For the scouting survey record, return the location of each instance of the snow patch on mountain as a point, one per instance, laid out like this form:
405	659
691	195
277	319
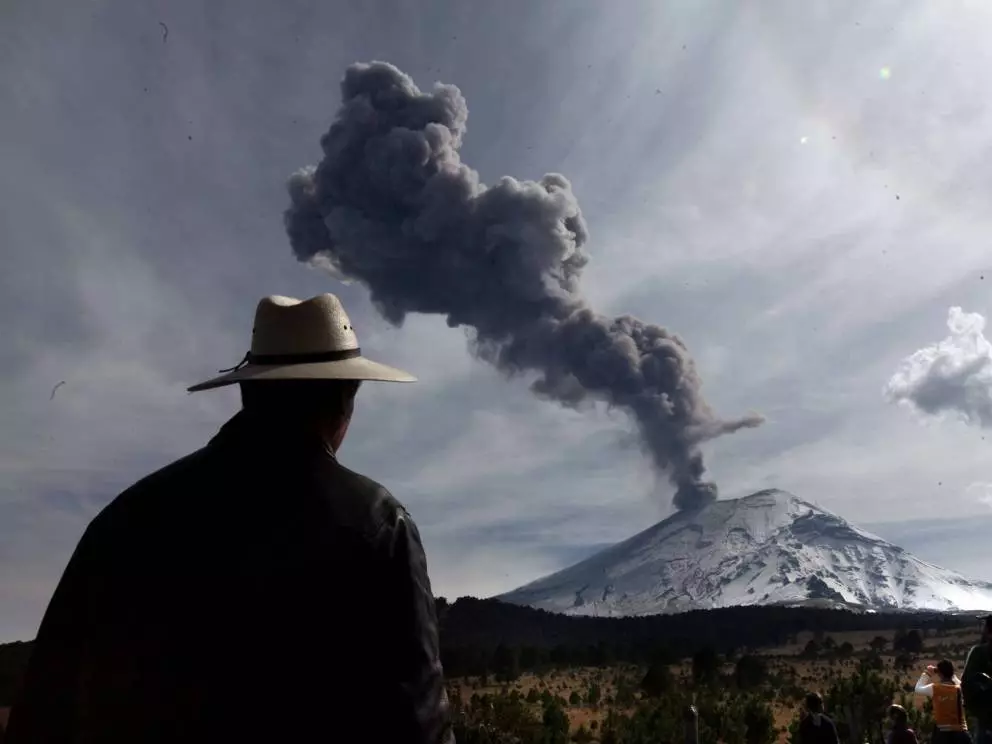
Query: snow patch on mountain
767	548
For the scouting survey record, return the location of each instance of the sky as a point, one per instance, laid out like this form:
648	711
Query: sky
799	190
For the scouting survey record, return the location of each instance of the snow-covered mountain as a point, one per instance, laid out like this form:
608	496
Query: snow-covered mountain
767	548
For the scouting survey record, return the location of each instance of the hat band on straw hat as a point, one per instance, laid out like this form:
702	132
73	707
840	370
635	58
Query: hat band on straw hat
285	359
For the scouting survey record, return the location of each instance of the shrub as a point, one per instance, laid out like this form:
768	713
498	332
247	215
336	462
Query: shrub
750	672
594	694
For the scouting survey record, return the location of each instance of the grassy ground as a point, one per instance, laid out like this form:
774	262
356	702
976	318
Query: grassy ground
808	674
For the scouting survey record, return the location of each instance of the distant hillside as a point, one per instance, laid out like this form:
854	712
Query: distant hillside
473	629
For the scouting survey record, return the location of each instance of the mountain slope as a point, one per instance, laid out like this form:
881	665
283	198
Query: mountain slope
767	548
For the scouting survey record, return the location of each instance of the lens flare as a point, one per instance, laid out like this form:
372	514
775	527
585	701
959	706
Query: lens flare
885	73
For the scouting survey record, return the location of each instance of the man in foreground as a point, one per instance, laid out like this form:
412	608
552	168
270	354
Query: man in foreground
255	590
976	684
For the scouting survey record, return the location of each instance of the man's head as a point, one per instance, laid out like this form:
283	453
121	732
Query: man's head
324	407
814	702
898	715
945	669
987	629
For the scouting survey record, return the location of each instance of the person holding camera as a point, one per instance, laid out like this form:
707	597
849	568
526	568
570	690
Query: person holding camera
940	684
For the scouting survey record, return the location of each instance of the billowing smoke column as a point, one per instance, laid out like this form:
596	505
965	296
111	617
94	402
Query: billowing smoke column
392	206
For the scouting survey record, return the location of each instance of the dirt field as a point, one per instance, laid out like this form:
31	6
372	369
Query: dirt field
809	674
562	683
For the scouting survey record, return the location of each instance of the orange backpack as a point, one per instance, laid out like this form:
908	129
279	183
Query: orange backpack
948	709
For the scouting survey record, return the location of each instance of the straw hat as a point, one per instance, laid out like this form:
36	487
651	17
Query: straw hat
303	340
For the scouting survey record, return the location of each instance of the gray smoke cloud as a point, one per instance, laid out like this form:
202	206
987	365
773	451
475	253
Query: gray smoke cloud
392	206
952	377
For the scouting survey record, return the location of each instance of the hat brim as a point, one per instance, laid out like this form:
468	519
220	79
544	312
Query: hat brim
358	368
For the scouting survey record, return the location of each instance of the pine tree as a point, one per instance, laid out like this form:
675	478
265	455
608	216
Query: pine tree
555	724
594	694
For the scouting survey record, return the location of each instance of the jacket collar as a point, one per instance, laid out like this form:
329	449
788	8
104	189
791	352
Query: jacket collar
246	430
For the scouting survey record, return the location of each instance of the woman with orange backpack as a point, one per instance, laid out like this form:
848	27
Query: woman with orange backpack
950	726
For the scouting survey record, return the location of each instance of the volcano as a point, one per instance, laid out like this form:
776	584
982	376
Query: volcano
767	548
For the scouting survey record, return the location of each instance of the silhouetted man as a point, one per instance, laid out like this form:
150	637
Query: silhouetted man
255	590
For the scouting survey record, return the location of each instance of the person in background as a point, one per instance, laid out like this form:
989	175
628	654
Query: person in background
950	726
900	733
976	684
817	727
253	591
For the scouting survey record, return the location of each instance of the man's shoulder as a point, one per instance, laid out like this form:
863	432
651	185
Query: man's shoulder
826	722
153	490
359	502
141	504
350	500
977	660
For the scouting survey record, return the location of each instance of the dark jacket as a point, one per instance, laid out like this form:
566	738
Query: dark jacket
902	734
253	591
976	690
822	732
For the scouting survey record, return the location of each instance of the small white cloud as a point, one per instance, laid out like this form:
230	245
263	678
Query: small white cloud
980	492
953	376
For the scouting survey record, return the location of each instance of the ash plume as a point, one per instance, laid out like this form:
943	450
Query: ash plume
392	206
